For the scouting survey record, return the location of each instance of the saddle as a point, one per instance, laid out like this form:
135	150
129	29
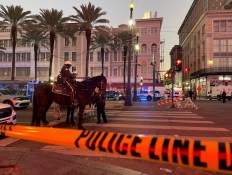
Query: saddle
60	89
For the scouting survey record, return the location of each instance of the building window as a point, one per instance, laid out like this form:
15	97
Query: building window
22	71
66	41
115	72
229	45
74	56
17	56
229	26
143	31
153	31
5	43
74	41
223	26
28	57
66	56
216	45
223	45
144	48
10	56
91	56
5	71
115	56
23	56
154	49
106	56
216	26
74	69
99	56
42	71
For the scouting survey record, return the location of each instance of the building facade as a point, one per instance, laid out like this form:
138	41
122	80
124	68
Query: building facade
74	49
206	40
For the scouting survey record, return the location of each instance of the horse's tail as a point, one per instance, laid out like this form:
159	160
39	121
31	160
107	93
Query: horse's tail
34	104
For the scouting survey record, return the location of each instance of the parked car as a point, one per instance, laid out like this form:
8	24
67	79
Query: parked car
7	114
113	95
148	96
16	101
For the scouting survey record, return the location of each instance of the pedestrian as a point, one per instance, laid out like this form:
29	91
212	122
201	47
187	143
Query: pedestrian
100	103
190	94
70	115
194	95
224	96
57	111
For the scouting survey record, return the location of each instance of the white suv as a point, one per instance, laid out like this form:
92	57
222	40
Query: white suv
16	101
148	95
7	114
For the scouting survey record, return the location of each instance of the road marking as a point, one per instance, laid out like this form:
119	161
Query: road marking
186	128
160	120
154	115
162	112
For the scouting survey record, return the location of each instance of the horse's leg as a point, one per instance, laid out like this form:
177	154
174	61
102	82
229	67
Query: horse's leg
72	116
68	114
81	111
43	117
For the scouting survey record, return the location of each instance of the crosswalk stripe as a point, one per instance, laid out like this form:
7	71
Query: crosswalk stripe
160	116
162	112
164	121
156	116
186	128
149	113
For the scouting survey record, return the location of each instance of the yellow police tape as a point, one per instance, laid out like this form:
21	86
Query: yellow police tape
210	155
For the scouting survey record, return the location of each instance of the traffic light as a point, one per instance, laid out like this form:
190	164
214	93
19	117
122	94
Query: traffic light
186	69
178	65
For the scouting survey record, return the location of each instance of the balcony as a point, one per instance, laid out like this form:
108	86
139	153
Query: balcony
212	71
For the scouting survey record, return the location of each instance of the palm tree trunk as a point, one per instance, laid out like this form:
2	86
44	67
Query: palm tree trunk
36	52
124	68
88	38
102	57
14	38
52	40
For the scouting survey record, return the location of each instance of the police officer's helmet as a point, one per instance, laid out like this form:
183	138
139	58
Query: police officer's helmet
68	63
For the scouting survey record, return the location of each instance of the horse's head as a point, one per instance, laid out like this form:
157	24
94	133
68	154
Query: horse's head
101	84
98	82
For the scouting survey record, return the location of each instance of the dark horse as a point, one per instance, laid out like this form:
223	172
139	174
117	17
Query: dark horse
44	97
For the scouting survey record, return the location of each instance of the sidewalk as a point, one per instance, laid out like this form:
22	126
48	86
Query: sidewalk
25	161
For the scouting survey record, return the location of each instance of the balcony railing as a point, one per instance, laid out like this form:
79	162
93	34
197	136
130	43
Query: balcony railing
212	71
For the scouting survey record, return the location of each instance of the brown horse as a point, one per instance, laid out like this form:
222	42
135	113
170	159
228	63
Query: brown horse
44	97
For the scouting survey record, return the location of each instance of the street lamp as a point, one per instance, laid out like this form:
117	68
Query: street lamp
136	66
153	63
128	101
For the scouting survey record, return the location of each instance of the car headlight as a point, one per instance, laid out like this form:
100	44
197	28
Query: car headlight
16	98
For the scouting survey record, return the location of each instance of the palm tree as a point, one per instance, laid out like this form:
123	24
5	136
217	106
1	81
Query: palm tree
88	17
101	39
52	22
16	19
122	39
35	35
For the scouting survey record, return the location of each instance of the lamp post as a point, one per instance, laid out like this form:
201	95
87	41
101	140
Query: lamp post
153	63
128	101
136	66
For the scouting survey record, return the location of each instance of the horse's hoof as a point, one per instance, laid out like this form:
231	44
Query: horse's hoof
80	127
45	123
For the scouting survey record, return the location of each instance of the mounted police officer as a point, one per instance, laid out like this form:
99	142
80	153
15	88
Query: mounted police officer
68	80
